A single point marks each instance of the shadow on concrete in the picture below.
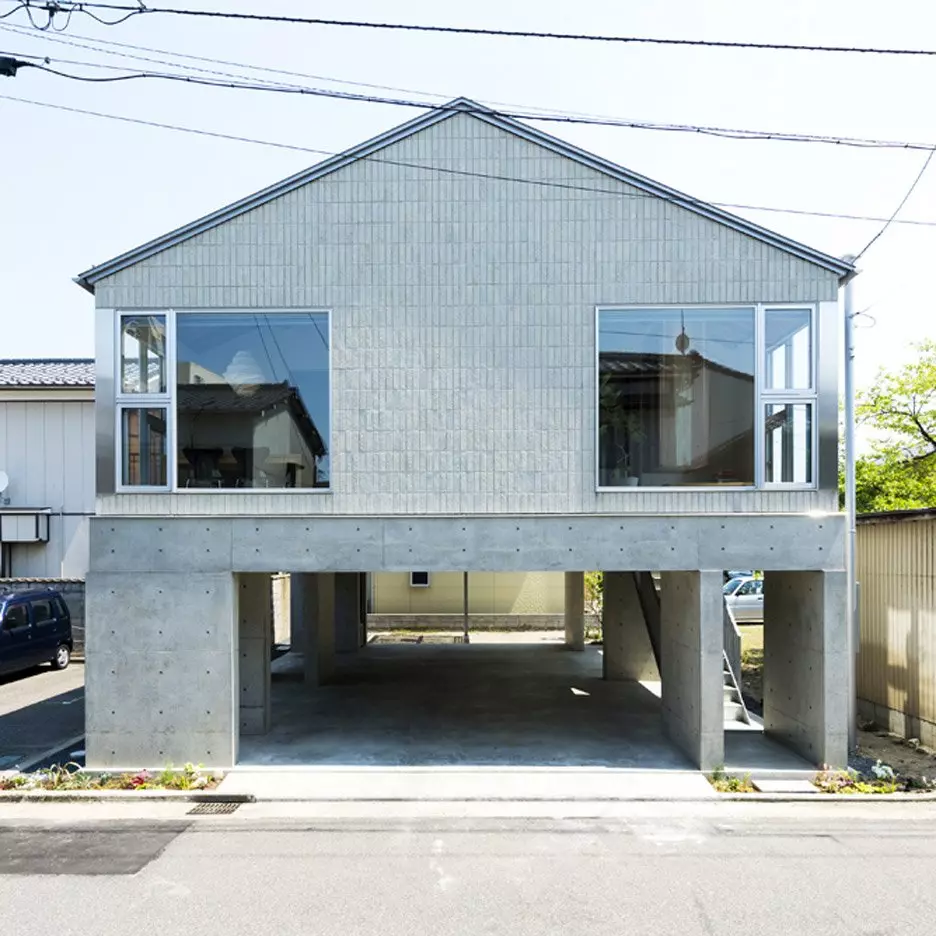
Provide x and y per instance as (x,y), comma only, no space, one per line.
(426,704)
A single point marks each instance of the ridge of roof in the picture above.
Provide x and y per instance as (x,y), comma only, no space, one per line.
(89,277)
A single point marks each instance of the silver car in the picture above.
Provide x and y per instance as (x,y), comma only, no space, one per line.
(745,597)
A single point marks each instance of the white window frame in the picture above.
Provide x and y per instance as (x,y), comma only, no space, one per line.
(425,584)
(762,396)
(128,401)
(169,402)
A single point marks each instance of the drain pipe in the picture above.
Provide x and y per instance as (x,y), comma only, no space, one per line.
(465,606)
(853,637)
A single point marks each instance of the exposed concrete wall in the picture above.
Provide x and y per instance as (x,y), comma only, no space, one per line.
(161,669)
(282,623)
(691,660)
(628,653)
(255,630)
(575,610)
(348,631)
(806,663)
(313,604)
(481,622)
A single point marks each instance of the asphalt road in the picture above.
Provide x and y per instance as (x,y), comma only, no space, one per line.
(857,872)
(39,709)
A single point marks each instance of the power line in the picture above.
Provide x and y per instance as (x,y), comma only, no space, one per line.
(129,11)
(903,201)
(720,132)
(444,169)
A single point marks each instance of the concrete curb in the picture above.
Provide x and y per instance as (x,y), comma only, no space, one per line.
(826,797)
(126,796)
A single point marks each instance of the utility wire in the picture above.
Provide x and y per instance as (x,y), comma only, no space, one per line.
(720,132)
(96,46)
(129,11)
(444,169)
(903,201)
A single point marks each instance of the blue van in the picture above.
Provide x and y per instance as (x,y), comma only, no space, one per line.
(35,628)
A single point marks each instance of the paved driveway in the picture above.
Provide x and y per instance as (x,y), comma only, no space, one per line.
(39,709)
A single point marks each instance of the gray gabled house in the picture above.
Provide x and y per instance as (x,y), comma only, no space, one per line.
(513,355)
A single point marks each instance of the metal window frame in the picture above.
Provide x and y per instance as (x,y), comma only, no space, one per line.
(761,396)
(127,401)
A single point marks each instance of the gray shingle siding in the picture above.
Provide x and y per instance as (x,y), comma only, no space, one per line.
(463,319)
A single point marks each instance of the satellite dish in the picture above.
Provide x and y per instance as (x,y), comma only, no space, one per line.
(4,481)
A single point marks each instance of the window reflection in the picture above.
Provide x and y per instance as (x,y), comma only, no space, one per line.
(676,397)
(143,447)
(252,398)
(789,349)
(788,452)
(143,354)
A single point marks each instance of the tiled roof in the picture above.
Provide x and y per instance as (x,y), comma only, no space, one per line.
(47,372)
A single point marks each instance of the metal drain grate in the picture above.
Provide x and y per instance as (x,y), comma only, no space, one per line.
(212,809)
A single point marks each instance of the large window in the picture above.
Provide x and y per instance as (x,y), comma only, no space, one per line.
(248,407)
(696,397)
(676,397)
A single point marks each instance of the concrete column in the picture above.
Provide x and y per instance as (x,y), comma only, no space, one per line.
(313,604)
(255,630)
(575,610)
(347,612)
(627,652)
(806,663)
(161,669)
(691,660)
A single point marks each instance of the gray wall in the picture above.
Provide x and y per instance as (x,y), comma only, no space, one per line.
(463,326)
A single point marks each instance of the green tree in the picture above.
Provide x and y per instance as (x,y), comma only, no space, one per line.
(900,471)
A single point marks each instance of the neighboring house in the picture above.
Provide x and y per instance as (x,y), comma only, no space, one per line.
(427,600)
(446,300)
(47,457)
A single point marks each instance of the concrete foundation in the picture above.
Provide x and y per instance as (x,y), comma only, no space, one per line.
(691,661)
(806,664)
(255,629)
(575,610)
(161,669)
(628,653)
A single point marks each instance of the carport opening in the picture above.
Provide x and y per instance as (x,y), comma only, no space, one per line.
(360,694)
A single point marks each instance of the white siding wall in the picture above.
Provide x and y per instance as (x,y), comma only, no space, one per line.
(47,449)
(463,321)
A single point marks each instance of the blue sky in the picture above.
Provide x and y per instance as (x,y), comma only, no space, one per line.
(77,190)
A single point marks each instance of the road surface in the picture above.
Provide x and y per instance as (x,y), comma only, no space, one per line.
(688,869)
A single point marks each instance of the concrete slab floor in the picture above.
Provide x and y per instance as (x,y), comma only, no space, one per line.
(396,705)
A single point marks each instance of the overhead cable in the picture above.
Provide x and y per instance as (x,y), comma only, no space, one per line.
(445,170)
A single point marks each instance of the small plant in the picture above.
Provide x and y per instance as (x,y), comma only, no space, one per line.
(74,777)
(850,781)
(724,783)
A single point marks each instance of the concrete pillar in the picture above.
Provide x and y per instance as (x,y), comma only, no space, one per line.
(255,630)
(347,612)
(312,605)
(691,660)
(161,669)
(627,652)
(806,664)
(575,610)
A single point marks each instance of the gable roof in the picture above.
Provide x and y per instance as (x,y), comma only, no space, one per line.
(843,269)
(47,372)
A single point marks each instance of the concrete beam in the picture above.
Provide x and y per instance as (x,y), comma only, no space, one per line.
(806,664)
(628,653)
(575,610)
(691,660)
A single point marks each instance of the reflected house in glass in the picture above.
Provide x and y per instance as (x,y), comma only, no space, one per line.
(464,345)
